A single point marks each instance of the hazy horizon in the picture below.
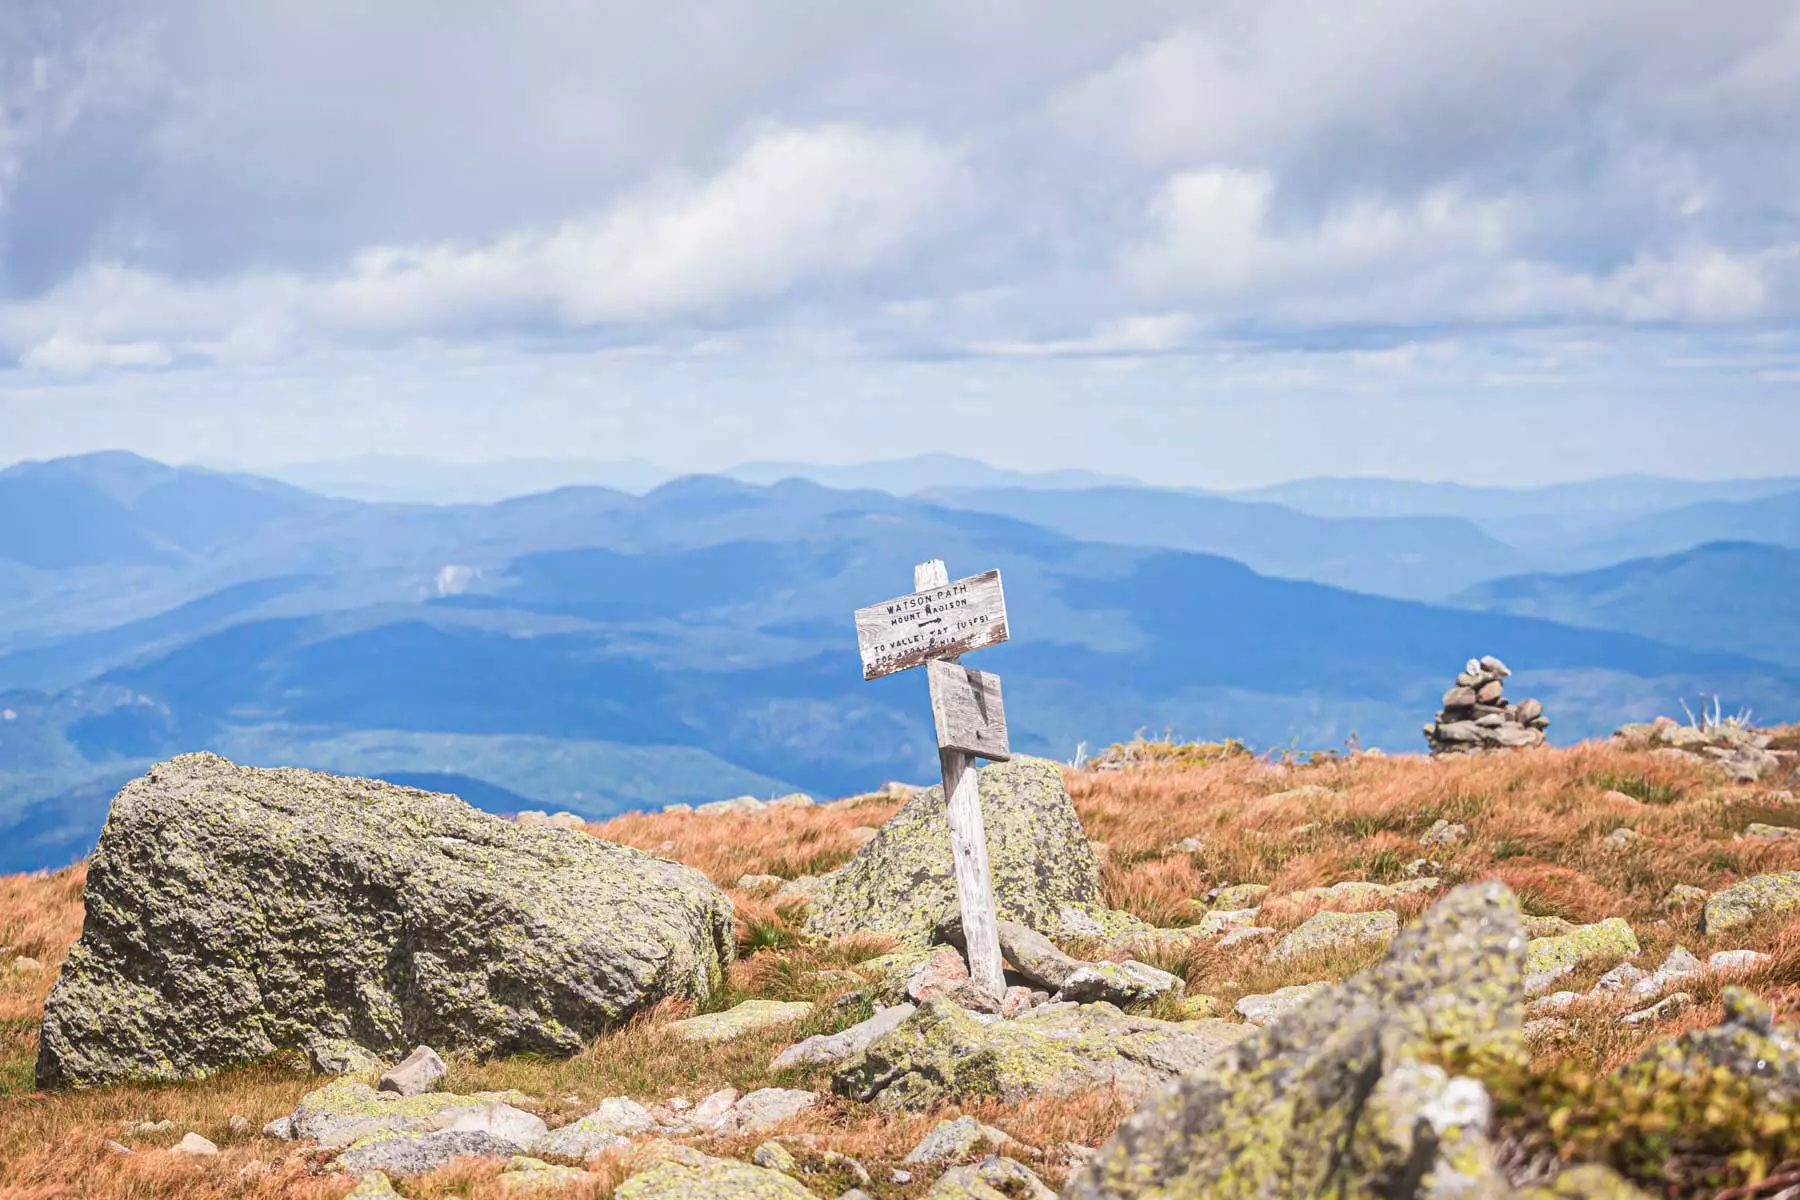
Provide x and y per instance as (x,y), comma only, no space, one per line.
(277,468)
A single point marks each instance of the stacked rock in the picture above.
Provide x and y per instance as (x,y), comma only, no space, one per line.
(1476,716)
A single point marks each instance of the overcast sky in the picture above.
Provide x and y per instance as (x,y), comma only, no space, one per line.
(1207,243)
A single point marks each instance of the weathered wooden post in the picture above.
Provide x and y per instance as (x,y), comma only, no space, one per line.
(933,627)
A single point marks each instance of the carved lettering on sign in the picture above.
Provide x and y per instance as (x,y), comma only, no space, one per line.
(939,622)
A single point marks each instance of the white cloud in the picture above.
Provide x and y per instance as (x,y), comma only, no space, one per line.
(1216,239)
(794,208)
(1136,335)
(64,355)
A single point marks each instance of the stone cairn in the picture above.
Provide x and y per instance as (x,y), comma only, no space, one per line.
(1476,716)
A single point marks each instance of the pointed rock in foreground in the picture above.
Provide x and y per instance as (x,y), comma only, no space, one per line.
(1332,1097)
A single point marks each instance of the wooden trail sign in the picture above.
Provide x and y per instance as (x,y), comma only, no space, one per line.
(930,627)
(966,705)
(939,620)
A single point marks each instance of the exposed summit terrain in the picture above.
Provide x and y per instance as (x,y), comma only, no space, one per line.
(1533,972)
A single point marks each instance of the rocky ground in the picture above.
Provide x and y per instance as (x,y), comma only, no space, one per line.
(1568,974)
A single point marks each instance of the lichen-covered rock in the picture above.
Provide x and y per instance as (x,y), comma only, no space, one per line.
(901,883)
(1128,982)
(1362,891)
(1335,931)
(232,912)
(1590,1181)
(1548,959)
(349,1110)
(1221,921)
(373,1186)
(733,1023)
(526,1174)
(1310,1105)
(993,1178)
(943,1053)
(1263,1007)
(680,1173)
(607,1127)
(1745,901)
(764,1108)
(1238,895)
(1112,925)
(960,1138)
(1032,955)
(1746,1045)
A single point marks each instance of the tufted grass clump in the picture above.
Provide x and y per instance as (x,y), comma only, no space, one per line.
(1696,1136)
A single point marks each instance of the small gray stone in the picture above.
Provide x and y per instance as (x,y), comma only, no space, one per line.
(192,1143)
(239,1125)
(1264,1008)
(1737,960)
(960,1138)
(607,1127)
(1680,964)
(833,1161)
(1555,1002)
(1119,983)
(829,1049)
(992,1174)
(775,1157)
(766,1108)
(1246,933)
(338,1056)
(418,1073)
(1668,1006)
(1332,930)
(1621,977)
(416,1154)
(1444,833)
(281,1129)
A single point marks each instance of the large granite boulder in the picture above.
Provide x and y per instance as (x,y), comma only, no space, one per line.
(901,882)
(1343,1096)
(943,1054)
(234,912)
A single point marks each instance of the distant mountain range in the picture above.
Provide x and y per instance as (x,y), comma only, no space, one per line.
(1733,596)
(1589,502)
(590,649)
(423,480)
(1414,557)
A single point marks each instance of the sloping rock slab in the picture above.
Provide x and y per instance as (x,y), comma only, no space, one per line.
(902,882)
(943,1053)
(234,912)
(1330,1098)
(349,1110)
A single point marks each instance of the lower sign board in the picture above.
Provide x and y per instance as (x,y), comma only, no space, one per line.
(966,705)
(939,622)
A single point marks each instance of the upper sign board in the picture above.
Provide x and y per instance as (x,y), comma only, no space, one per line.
(939,622)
